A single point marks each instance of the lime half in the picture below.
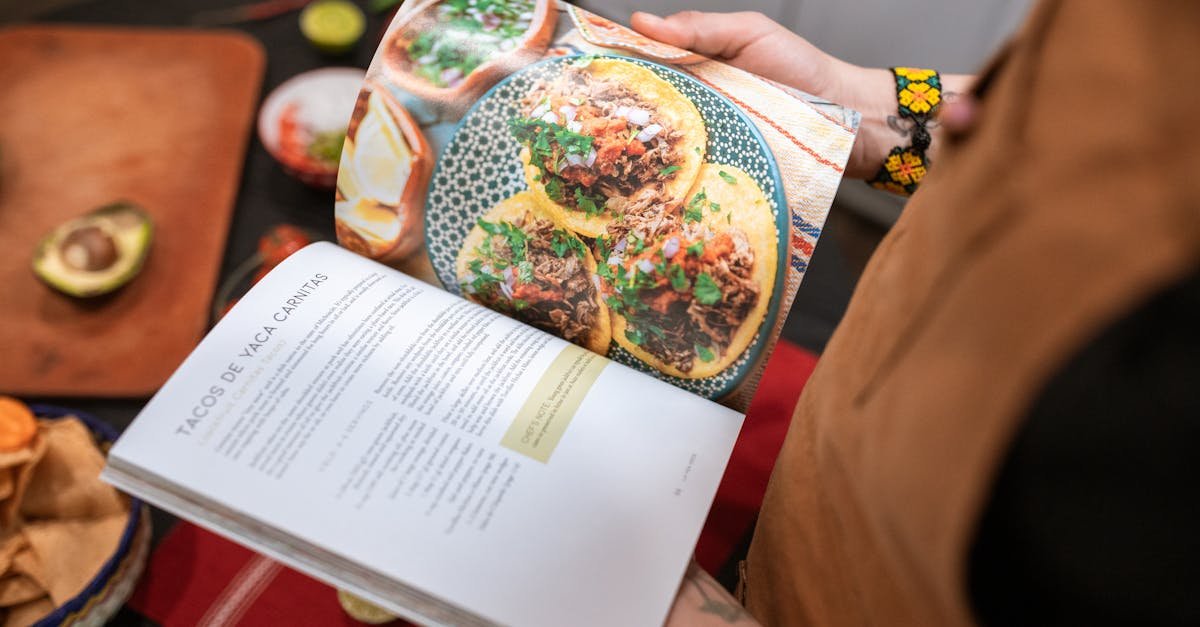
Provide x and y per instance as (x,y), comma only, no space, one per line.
(333,26)
(363,610)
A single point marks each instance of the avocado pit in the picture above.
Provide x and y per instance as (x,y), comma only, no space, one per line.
(89,248)
(96,253)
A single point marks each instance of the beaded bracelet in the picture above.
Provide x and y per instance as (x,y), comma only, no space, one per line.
(918,94)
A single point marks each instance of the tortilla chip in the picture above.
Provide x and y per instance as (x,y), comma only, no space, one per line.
(70,553)
(18,589)
(66,481)
(20,466)
(28,613)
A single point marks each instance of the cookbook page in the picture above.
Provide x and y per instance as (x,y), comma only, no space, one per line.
(428,440)
(635,199)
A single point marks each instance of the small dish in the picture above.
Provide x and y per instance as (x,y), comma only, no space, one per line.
(302,123)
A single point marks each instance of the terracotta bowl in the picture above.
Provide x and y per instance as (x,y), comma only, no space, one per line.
(398,67)
(411,208)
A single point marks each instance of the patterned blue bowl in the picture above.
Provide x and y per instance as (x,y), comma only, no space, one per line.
(104,595)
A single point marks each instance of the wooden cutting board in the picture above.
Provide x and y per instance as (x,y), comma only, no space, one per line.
(93,115)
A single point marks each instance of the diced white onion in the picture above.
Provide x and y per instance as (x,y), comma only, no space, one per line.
(550,117)
(648,133)
(507,290)
(540,110)
(575,126)
(621,244)
(568,112)
(621,112)
(451,76)
(614,260)
(528,15)
(638,116)
(670,247)
(427,59)
(591,158)
(574,159)
(645,265)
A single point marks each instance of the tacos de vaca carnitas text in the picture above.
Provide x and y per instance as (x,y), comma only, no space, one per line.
(688,289)
(606,137)
(517,260)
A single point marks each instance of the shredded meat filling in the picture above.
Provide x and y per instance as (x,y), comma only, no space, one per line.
(626,172)
(675,324)
(561,297)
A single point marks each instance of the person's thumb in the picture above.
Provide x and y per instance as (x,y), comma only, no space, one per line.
(718,35)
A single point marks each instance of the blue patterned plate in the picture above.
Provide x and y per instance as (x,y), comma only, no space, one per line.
(480,167)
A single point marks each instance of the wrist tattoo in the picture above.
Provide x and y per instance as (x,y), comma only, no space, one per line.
(716,600)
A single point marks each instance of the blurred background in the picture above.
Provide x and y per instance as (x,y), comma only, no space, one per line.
(950,35)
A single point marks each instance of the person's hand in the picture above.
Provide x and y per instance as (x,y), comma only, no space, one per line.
(702,601)
(755,43)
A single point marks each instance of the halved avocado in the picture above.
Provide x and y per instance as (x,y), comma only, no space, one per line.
(95,253)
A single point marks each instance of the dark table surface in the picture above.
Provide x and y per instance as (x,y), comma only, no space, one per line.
(267,196)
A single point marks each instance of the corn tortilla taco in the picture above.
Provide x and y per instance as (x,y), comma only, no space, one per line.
(689,291)
(517,260)
(605,137)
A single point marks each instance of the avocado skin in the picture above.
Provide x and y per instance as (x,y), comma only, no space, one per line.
(133,245)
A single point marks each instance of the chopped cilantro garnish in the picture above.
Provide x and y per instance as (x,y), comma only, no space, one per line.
(669,170)
(586,203)
(603,248)
(696,249)
(636,244)
(657,331)
(727,177)
(699,152)
(679,280)
(704,353)
(694,212)
(583,60)
(513,234)
(525,271)
(562,242)
(706,290)
(520,304)
(554,188)
(572,143)
(635,336)
(714,207)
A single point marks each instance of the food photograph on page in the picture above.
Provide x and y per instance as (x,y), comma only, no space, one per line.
(617,192)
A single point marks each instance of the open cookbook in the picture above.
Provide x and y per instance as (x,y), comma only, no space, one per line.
(509,396)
